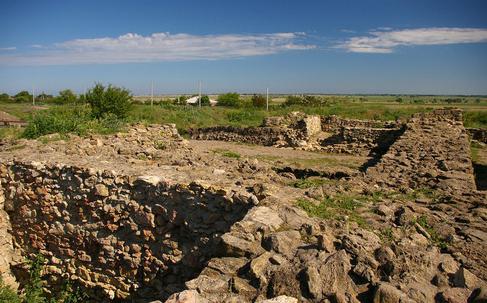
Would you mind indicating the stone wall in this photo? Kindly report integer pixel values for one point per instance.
(116, 235)
(433, 152)
(360, 140)
(333, 123)
(267, 136)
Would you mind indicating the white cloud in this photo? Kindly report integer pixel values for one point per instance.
(8, 48)
(159, 47)
(386, 40)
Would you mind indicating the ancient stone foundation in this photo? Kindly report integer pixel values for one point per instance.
(113, 234)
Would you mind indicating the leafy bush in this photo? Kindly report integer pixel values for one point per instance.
(229, 99)
(66, 97)
(72, 119)
(23, 96)
(110, 100)
(57, 120)
(205, 100)
(4, 97)
(7, 294)
(259, 100)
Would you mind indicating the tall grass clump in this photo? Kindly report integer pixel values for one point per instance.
(60, 120)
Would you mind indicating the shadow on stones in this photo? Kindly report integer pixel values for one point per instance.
(480, 173)
(381, 149)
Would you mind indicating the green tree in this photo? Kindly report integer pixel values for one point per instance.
(180, 100)
(110, 100)
(23, 96)
(229, 99)
(205, 100)
(44, 97)
(4, 97)
(259, 101)
(66, 96)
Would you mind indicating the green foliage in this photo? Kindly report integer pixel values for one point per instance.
(70, 119)
(66, 97)
(4, 97)
(435, 237)
(205, 100)
(7, 294)
(33, 290)
(227, 153)
(387, 235)
(239, 116)
(339, 207)
(230, 100)
(310, 182)
(61, 120)
(259, 101)
(160, 145)
(475, 119)
(23, 96)
(180, 100)
(43, 97)
(110, 100)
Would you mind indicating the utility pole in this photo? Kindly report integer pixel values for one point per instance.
(267, 98)
(152, 94)
(33, 96)
(199, 99)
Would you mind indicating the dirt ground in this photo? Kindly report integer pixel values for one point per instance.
(282, 156)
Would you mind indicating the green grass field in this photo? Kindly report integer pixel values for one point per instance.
(356, 107)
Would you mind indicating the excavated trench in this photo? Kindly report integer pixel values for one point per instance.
(117, 237)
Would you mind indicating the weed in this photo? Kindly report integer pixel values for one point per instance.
(435, 237)
(334, 207)
(227, 153)
(310, 182)
(160, 145)
(387, 235)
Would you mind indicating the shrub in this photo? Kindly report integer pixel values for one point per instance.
(23, 96)
(7, 294)
(180, 100)
(57, 120)
(66, 97)
(229, 99)
(110, 100)
(4, 97)
(259, 101)
(205, 100)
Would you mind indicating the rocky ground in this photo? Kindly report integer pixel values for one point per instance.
(410, 228)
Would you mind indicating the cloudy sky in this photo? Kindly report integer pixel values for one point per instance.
(389, 46)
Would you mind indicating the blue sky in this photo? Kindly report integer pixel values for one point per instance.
(412, 47)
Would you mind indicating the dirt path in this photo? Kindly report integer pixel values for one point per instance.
(282, 156)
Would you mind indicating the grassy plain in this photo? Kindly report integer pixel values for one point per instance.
(355, 106)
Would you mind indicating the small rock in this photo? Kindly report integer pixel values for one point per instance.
(313, 282)
(387, 293)
(284, 242)
(101, 190)
(464, 278)
(187, 296)
(281, 299)
(324, 243)
(384, 210)
(404, 216)
(237, 247)
(454, 295)
(479, 295)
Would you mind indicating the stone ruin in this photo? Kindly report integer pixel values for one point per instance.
(310, 132)
(142, 217)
